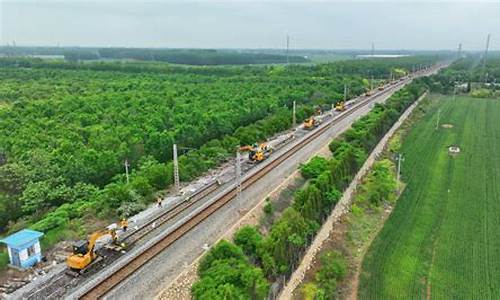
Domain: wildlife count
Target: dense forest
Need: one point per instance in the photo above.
(66, 129)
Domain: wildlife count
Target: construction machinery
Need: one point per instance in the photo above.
(257, 152)
(311, 122)
(84, 253)
(340, 106)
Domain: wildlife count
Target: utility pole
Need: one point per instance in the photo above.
(238, 175)
(287, 49)
(126, 170)
(484, 58)
(399, 158)
(294, 119)
(437, 121)
(176, 170)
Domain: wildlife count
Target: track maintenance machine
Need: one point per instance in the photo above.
(257, 152)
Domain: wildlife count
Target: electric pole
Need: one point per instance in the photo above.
(294, 120)
(238, 175)
(399, 158)
(437, 121)
(484, 58)
(126, 170)
(176, 170)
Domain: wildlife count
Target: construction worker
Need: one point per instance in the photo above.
(124, 224)
(158, 200)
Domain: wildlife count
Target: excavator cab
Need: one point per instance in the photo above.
(81, 247)
(340, 106)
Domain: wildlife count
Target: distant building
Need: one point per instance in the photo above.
(24, 248)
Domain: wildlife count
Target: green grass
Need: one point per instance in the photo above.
(443, 237)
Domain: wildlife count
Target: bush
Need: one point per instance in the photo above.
(333, 269)
(314, 167)
(248, 238)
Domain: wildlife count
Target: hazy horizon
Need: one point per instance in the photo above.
(401, 25)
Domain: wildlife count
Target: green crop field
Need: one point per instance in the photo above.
(443, 238)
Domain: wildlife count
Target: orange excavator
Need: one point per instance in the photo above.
(84, 254)
(257, 152)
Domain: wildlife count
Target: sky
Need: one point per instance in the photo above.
(251, 24)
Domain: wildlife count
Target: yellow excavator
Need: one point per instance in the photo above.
(257, 152)
(340, 106)
(311, 122)
(84, 254)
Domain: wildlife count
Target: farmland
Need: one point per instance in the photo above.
(442, 239)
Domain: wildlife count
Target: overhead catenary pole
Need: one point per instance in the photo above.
(345, 92)
(126, 163)
(238, 174)
(176, 170)
(294, 119)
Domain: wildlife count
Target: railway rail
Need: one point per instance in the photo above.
(100, 288)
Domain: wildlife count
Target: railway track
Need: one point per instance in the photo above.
(100, 288)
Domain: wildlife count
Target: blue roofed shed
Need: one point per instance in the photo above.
(24, 248)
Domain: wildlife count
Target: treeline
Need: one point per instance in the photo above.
(175, 56)
(278, 252)
(196, 56)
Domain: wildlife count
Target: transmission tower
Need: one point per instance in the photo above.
(287, 49)
(459, 54)
(485, 57)
(373, 49)
(176, 171)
